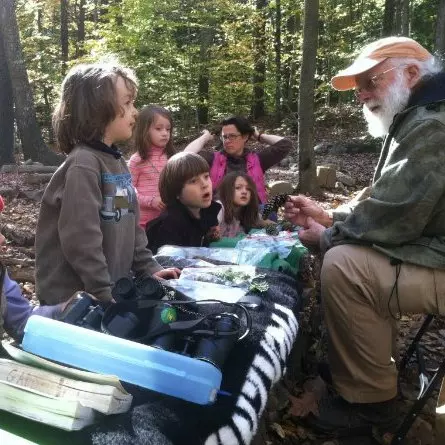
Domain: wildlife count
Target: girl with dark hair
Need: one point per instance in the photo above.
(236, 131)
(190, 217)
(154, 145)
(237, 193)
(239, 214)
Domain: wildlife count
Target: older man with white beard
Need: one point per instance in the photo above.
(385, 254)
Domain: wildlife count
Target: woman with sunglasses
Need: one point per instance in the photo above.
(236, 131)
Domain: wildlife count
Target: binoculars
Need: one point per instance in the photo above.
(139, 315)
(148, 288)
(86, 312)
(83, 311)
(210, 339)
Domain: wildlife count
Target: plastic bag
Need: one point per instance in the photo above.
(256, 249)
(231, 276)
(199, 290)
(281, 244)
(221, 254)
(190, 262)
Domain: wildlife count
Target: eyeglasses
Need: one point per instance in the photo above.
(373, 82)
(230, 137)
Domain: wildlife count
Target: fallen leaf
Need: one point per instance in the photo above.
(276, 427)
(307, 402)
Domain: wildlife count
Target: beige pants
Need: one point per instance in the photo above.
(356, 284)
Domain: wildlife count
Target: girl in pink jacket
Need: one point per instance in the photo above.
(154, 145)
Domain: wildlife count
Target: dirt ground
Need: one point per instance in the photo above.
(18, 224)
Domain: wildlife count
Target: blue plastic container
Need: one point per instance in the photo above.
(163, 371)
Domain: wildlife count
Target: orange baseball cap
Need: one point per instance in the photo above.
(376, 53)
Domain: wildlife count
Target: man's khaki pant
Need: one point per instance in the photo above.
(356, 285)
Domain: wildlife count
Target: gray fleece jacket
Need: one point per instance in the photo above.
(404, 216)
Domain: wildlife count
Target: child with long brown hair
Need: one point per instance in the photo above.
(88, 234)
(239, 198)
(154, 146)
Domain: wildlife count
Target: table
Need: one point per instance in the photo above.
(251, 369)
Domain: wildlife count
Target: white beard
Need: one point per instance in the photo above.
(393, 103)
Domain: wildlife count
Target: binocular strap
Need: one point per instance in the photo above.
(191, 326)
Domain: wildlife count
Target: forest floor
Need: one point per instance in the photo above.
(296, 393)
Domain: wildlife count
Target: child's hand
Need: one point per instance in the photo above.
(169, 273)
(207, 136)
(157, 203)
(214, 234)
(256, 134)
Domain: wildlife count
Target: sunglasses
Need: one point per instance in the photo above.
(373, 82)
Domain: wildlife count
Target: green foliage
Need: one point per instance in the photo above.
(42, 55)
(343, 32)
(257, 283)
(172, 44)
(424, 21)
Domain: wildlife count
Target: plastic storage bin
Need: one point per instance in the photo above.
(162, 371)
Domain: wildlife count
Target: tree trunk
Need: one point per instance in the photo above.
(103, 8)
(48, 114)
(33, 144)
(351, 22)
(46, 86)
(119, 16)
(39, 20)
(96, 12)
(405, 17)
(278, 61)
(64, 34)
(6, 111)
(389, 16)
(397, 27)
(259, 54)
(80, 51)
(290, 84)
(306, 163)
(440, 29)
(205, 40)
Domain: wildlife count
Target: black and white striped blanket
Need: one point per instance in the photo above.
(251, 369)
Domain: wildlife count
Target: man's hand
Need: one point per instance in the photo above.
(311, 234)
(168, 274)
(298, 208)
